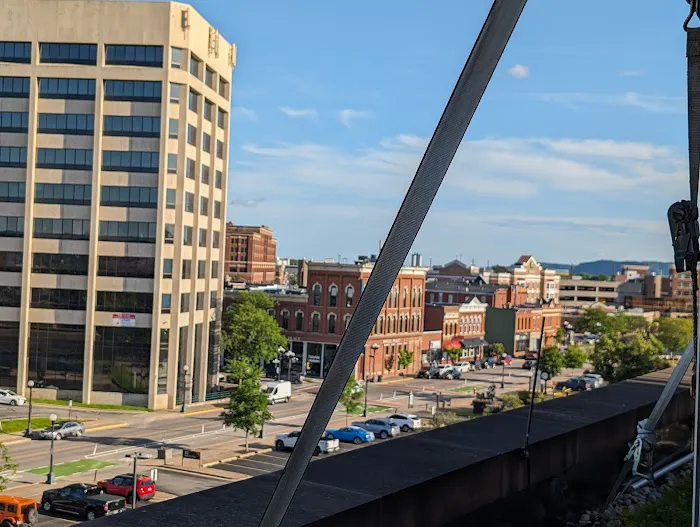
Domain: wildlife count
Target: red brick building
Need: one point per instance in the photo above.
(463, 325)
(251, 254)
(315, 322)
(447, 290)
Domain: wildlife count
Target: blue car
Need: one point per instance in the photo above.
(351, 434)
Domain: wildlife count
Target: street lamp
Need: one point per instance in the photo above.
(290, 359)
(28, 433)
(51, 478)
(185, 369)
(374, 347)
(277, 363)
(503, 370)
(136, 456)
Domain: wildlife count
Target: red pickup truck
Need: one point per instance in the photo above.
(123, 485)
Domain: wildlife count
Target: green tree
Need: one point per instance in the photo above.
(498, 349)
(7, 468)
(559, 335)
(673, 333)
(352, 397)
(552, 361)
(574, 357)
(605, 356)
(617, 360)
(631, 323)
(247, 409)
(453, 353)
(405, 358)
(594, 321)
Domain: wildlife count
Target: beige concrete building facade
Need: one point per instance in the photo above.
(578, 292)
(114, 135)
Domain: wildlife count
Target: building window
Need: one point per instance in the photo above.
(200, 301)
(139, 197)
(381, 325)
(62, 193)
(172, 163)
(55, 263)
(189, 202)
(173, 127)
(203, 206)
(124, 302)
(405, 296)
(44, 298)
(346, 320)
(331, 323)
(10, 296)
(285, 319)
(317, 294)
(420, 296)
(17, 52)
(184, 302)
(126, 266)
(189, 171)
(149, 56)
(165, 302)
(218, 179)
(201, 268)
(137, 91)
(191, 135)
(349, 294)
(13, 156)
(11, 192)
(187, 236)
(85, 54)
(122, 357)
(128, 161)
(11, 262)
(215, 239)
(194, 101)
(169, 233)
(66, 158)
(217, 210)
(223, 88)
(209, 76)
(170, 198)
(299, 321)
(219, 149)
(15, 121)
(56, 354)
(67, 123)
(60, 229)
(186, 269)
(222, 119)
(132, 126)
(175, 90)
(206, 142)
(205, 174)
(18, 87)
(215, 269)
(195, 66)
(202, 237)
(413, 297)
(333, 295)
(176, 55)
(315, 322)
(167, 268)
(127, 231)
(208, 109)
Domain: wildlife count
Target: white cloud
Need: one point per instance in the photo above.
(244, 113)
(519, 71)
(649, 103)
(306, 113)
(347, 116)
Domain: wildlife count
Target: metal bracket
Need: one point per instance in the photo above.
(685, 233)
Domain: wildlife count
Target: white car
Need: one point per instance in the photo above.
(11, 398)
(288, 441)
(595, 379)
(464, 367)
(406, 421)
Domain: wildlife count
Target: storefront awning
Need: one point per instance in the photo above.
(473, 343)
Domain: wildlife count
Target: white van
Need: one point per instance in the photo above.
(280, 391)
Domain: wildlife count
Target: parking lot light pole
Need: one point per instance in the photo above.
(185, 369)
(50, 479)
(375, 347)
(503, 370)
(135, 456)
(28, 433)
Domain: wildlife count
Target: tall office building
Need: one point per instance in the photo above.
(114, 130)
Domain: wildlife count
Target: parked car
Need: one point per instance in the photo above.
(406, 422)
(381, 427)
(508, 360)
(450, 373)
(443, 369)
(575, 384)
(464, 367)
(61, 430)
(351, 434)
(124, 486)
(288, 441)
(427, 372)
(18, 512)
(529, 364)
(595, 379)
(11, 398)
(279, 391)
(89, 501)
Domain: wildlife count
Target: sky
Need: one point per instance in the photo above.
(575, 153)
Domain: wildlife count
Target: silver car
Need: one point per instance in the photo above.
(382, 428)
(61, 430)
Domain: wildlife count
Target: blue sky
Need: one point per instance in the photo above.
(575, 153)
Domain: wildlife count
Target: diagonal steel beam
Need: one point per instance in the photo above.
(460, 109)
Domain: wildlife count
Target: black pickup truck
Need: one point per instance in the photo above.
(88, 501)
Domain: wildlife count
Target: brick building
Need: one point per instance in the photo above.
(447, 290)
(463, 324)
(519, 328)
(539, 283)
(251, 254)
(315, 322)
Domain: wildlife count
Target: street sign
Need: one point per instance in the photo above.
(191, 454)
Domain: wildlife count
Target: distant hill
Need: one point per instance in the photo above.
(608, 266)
